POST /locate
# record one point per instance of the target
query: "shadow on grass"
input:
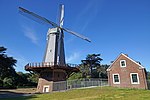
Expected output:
(7, 95)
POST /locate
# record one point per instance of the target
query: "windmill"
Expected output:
(54, 59)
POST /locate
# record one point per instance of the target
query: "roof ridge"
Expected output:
(132, 60)
(126, 57)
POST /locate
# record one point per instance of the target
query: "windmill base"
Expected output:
(51, 75)
(49, 81)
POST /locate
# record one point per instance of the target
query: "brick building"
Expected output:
(124, 72)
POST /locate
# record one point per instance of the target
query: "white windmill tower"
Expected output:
(55, 37)
(54, 64)
(55, 43)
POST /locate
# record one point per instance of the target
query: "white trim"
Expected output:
(45, 86)
(108, 69)
(114, 79)
(132, 79)
(126, 57)
(133, 61)
(121, 63)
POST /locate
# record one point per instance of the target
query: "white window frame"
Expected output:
(114, 79)
(132, 79)
(45, 86)
(121, 63)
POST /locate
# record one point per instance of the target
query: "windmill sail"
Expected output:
(61, 19)
(40, 19)
(76, 34)
(61, 51)
(36, 17)
(55, 37)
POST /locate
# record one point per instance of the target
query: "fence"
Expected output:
(148, 84)
(72, 84)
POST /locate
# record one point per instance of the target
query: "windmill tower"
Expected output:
(55, 43)
(53, 68)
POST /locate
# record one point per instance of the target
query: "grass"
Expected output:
(99, 93)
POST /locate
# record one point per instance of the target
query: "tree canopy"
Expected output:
(7, 71)
(91, 67)
(6, 64)
(9, 78)
(91, 62)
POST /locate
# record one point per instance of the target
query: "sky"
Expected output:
(113, 26)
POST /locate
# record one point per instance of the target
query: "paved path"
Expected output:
(9, 94)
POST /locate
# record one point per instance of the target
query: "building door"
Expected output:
(46, 89)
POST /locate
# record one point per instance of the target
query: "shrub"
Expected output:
(9, 82)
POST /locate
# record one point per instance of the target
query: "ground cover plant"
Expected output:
(98, 93)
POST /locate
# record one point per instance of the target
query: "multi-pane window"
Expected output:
(122, 63)
(116, 79)
(134, 78)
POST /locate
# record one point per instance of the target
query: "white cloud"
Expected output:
(29, 32)
(73, 58)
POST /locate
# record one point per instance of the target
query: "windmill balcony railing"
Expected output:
(48, 64)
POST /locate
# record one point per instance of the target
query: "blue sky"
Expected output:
(114, 26)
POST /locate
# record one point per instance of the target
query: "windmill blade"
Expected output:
(76, 34)
(61, 18)
(36, 17)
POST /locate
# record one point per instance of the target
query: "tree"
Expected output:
(91, 63)
(22, 79)
(85, 70)
(101, 71)
(91, 67)
(27, 79)
(32, 78)
(75, 76)
(9, 78)
(7, 70)
(8, 82)
(1, 83)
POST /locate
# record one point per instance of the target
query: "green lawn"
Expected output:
(99, 93)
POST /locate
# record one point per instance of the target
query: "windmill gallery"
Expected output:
(54, 67)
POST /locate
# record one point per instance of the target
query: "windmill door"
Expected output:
(46, 89)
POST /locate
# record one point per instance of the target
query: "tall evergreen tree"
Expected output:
(7, 71)
(90, 64)
(91, 67)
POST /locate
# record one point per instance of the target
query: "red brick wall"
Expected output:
(48, 77)
(43, 82)
(124, 73)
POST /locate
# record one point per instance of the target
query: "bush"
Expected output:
(8, 82)
(1, 83)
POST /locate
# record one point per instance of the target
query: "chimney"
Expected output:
(139, 62)
(111, 62)
(126, 55)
